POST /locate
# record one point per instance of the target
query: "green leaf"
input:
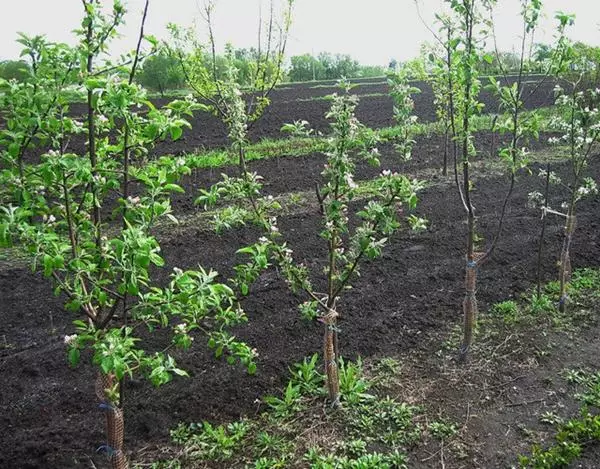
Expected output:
(180, 372)
(175, 132)
(132, 288)
(74, 356)
(174, 188)
(59, 261)
(5, 238)
(79, 324)
(48, 263)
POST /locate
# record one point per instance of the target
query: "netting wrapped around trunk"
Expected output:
(330, 358)
(115, 423)
(469, 307)
(565, 262)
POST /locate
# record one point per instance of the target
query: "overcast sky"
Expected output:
(371, 31)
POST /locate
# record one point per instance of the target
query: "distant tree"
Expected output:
(393, 65)
(338, 65)
(15, 69)
(500, 63)
(327, 61)
(542, 52)
(328, 66)
(305, 68)
(587, 61)
(345, 66)
(161, 73)
(366, 71)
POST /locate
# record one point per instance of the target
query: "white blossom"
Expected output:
(70, 339)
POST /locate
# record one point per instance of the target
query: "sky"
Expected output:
(372, 31)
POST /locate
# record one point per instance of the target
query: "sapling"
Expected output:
(401, 92)
(579, 124)
(213, 86)
(56, 208)
(346, 248)
(465, 52)
(544, 202)
(443, 81)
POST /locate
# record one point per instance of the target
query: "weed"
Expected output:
(590, 384)
(507, 310)
(287, 405)
(442, 430)
(552, 288)
(270, 463)
(540, 305)
(384, 421)
(272, 445)
(386, 371)
(207, 442)
(551, 418)
(586, 279)
(394, 460)
(353, 385)
(354, 448)
(306, 376)
(296, 199)
(568, 447)
(388, 365)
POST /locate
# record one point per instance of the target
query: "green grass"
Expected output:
(299, 146)
(571, 436)
(329, 97)
(266, 148)
(527, 312)
(370, 430)
(356, 85)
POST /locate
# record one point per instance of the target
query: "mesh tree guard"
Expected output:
(115, 423)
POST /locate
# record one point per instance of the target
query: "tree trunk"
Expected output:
(115, 425)
(469, 308)
(331, 362)
(445, 168)
(565, 262)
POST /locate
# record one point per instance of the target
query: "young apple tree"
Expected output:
(211, 79)
(579, 124)
(58, 207)
(347, 248)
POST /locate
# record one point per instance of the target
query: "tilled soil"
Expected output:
(302, 173)
(297, 102)
(48, 411)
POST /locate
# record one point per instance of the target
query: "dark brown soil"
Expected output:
(297, 102)
(291, 105)
(48, 412)
(301, 173)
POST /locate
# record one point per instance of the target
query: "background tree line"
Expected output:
(162, 72)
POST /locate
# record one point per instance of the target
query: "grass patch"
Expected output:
(514, 319)
(300, 146)
(575, 434)
(356, 85)
(371, 430)
(329, 97)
